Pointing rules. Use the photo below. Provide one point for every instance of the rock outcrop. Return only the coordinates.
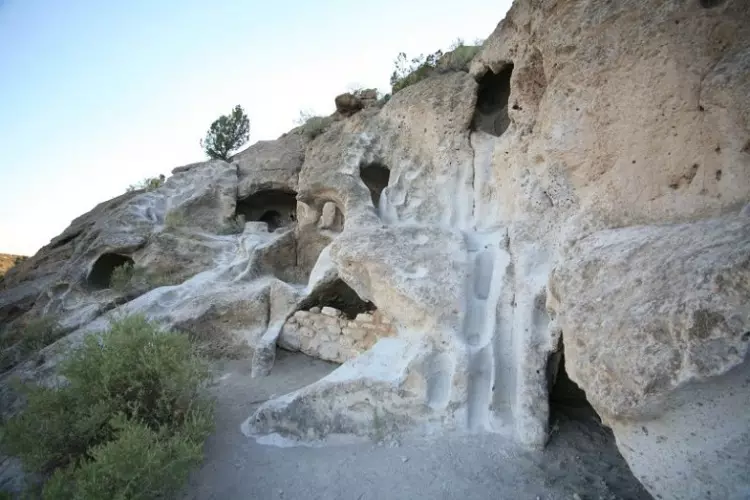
(581, 187)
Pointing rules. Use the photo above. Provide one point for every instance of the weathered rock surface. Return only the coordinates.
(583, 181)
(328, 336)
(656, 321)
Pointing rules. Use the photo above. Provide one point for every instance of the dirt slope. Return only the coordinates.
(7, 261)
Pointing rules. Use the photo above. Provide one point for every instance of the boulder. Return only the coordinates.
(656, 321)
(347, 104)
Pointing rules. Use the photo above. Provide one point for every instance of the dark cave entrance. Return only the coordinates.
(275, 207)
(565, 397)
(491, 113)
(376, 177)
(272, 218)
(100, 275)
(575, 427)
(339, 295)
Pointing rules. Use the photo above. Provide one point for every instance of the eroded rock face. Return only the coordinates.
(657, 330)
(330, 336)
(585, 180)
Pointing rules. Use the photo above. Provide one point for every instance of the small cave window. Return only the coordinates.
(338, 295)
(376, 177)
(275, 207)
(100, 275)
(565, 397)
(491, 113)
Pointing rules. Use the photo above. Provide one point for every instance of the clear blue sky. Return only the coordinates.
(96, 95)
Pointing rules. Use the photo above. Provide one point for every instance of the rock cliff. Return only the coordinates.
(578, 193)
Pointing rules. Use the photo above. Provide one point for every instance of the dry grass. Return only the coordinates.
(7, 261)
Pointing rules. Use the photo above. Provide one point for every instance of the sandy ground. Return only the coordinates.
(580, 461)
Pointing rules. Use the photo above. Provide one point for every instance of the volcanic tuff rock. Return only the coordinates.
(580, 188)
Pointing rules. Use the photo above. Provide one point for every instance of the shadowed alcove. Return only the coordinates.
(338, 295)
(101, 272)
(375, 176)
(565, 397)
(491, 113)
(276, 207)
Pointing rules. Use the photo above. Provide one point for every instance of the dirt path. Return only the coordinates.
(580, 461)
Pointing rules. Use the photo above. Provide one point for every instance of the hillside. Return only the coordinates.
(7, 261)
(558, 227)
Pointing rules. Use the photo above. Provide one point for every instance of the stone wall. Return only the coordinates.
(329, 335)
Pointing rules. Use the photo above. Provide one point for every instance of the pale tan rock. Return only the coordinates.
(330, 311)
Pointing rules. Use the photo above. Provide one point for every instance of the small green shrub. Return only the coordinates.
(410, 71)
(316, 126)
(27, 337)
(122, 277)
(175, 219)
(459, 58)
(40, 332)
(312, 125)
(226, 134)
(163, 277)
(129, 424)
(147, 184)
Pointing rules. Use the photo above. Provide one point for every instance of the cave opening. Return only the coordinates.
(710, 4)
(566, 399)
(575, 425)
(376, 177)
(275, 207)
(100, 275)
(491, 113)
(338, 295)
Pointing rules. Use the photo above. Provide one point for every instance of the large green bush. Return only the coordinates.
(129, 423)
(227, 134)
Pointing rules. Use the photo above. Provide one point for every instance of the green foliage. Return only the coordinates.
(127, 278)
(384, 100)
(121, 277)
(27, 337)
(459, 58)
(313, 126)
(129, 424)
(40, 332)
(175, 219)
(410, 71)
(147, 184)
(19, 259)
(228, 133)
(162, 277)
